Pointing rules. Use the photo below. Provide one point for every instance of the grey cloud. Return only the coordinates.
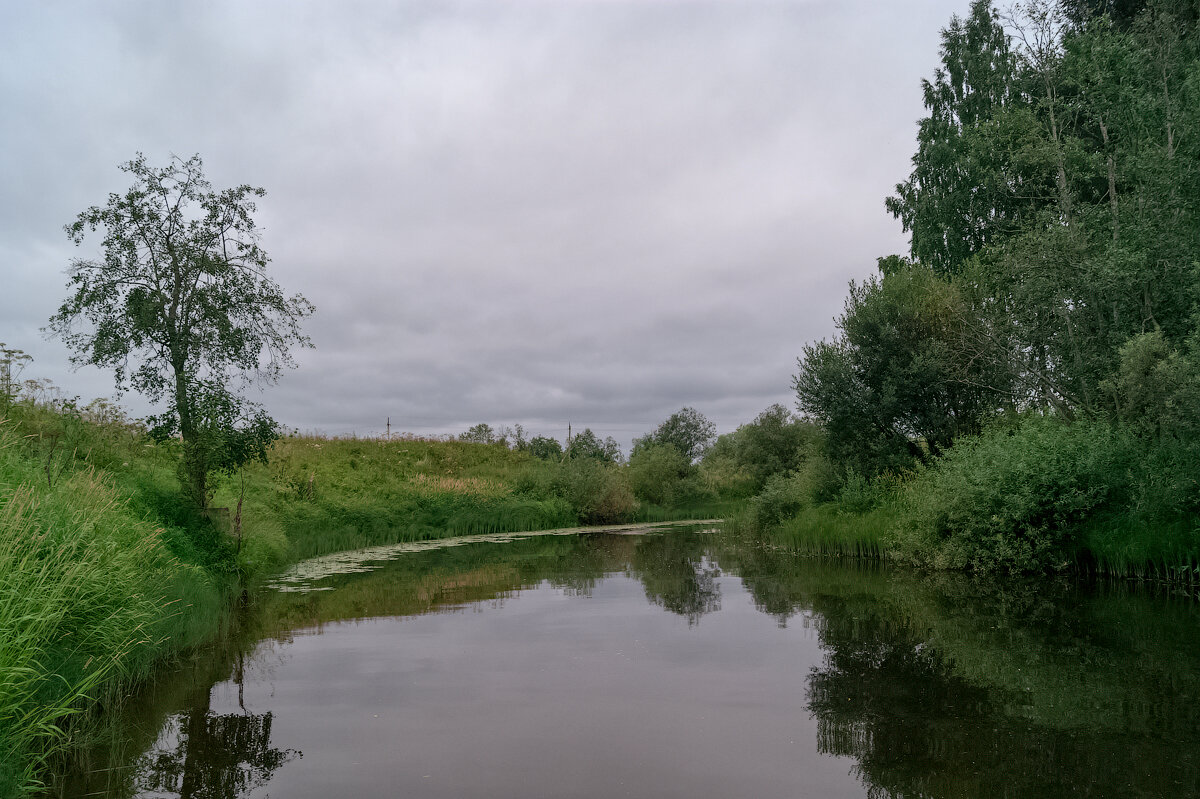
(522, 211)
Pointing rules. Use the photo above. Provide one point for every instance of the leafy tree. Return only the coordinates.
(687, 430)
(894, 387)
(178, 304)
(966, 188)
(588, 445)
(481, 433)
(775, 442)
(545, 448)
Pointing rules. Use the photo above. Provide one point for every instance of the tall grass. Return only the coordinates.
(825, 530)
(90, 598)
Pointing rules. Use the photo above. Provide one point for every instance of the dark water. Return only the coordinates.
(680, 663)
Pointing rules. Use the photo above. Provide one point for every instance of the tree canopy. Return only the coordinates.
(179, 306)
(1054, 214)
(687, 430)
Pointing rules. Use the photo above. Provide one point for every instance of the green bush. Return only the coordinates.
(599, 492)
(1013, 501)
(657, 472)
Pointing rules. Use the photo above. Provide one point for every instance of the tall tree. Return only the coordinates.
(967, 186)
(894, 387)
(180, 304)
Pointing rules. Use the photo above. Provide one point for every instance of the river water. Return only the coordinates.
(670, 662)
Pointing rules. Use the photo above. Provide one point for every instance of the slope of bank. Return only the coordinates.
(1036, 496)
(104, 573)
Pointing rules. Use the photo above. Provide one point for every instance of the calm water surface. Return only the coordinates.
(673, 663)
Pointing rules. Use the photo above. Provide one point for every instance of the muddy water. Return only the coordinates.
(666, 663)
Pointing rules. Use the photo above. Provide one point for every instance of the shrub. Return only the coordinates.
(599, 492)
(656, 472)
(1011, 500)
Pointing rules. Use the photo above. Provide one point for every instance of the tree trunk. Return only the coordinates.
(193, 471)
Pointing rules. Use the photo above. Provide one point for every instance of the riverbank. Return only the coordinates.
(1036, 497)
(105, 573)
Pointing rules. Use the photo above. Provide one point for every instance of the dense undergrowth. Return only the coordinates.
(1037, 495)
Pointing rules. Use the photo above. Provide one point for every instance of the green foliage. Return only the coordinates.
(783, 496)
(589, 446)
(598, 491)
(90, 585)
(545, 448)
(773, 443)
(180, 294)
(687, 430)
(481, 433)
(719, 472)
(657, 472)
(1054, 209)
(893, 389)
(1013, 500)
(1156, 389)
(956, 200)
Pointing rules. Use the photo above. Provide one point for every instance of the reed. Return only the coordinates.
(86, 604)
(825, 531)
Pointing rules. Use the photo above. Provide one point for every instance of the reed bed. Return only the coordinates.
(823, 531)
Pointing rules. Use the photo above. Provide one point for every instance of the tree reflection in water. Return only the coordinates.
(677, 574)
(216, 756)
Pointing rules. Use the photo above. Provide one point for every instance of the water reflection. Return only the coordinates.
(677, 574)
(917, 685)
(214, 756)
(948, 686)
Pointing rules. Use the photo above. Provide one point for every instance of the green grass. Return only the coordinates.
(826, 530)
(105, 573)
(91, 597)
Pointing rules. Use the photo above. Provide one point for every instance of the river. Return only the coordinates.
(668, 662)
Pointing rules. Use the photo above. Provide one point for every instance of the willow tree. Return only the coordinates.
(180, 307)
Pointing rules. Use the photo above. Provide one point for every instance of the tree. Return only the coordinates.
(481, 433)
(545, 448)
(588, 445)
(895, 386)
(687, 430)
(12, 363)
(775, 442)
(967, 187)
(178, 306)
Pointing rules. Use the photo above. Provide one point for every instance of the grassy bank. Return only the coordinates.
(95, 587)
(1034, 497)
(105, 572)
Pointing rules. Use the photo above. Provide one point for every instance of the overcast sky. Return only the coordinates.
(584, 211)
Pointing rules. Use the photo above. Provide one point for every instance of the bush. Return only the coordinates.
(1012, 501)
(656, 472)
(782, 497)
(599, 492)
